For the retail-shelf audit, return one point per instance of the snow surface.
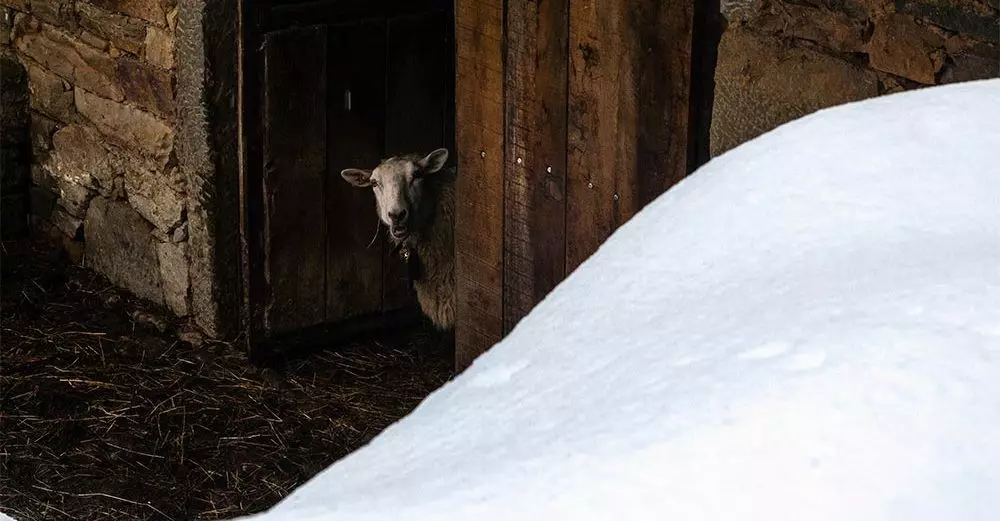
(807, 329)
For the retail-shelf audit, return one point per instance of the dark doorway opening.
(329, 85)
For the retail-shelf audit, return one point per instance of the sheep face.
(398, 184)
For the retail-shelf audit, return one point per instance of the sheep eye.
(374, 183)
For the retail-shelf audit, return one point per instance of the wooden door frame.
(255, 20)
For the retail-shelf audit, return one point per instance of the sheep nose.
(397, 216)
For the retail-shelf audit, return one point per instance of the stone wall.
(782, 59)
(104, 173)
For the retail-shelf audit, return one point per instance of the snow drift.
(808, 328)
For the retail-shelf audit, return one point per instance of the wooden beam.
(534, 183)
(479, 199)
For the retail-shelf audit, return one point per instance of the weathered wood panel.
(420, 85)
(294, 150)
(480, 146)
(628, 90)
(534, 182)
(355, 136)
(662, 60)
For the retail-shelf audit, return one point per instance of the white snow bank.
(806, 329)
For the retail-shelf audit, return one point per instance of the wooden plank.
(534, 184)
(480, 146)
(628, 89)
(662, 60)
(420, 80)
(355, 136)
(295, 177)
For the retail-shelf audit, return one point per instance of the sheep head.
(399, 184)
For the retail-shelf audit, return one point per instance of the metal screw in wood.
(519, 161)
(590, 185)
(615, 197)
(482, 153)
(548, 169)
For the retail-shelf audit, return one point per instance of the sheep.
(415, 199)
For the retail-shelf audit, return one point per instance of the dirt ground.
(103, 416)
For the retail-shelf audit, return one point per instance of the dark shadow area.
(706, 33)
(106, 414)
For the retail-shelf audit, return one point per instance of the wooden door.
(340, 84)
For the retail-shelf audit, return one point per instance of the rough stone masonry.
(104, 173)
(782, 59)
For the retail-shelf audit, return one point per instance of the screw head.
(615, 197)
(548, 169)
(590, 185)
(519, 161)
(482, 153)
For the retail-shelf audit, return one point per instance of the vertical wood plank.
(628, 89)
(294, 149)
(420, 78)
(354, 140)
(534, 183)
(663, 63)
(479, 198)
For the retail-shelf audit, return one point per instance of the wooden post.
(480, 146)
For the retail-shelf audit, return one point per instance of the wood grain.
(294, 177)
(534, 181)
(479, 205)
(628, 96)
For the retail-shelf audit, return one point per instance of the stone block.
(159, 48)
(74, 198)
(174, 276)
(761, 83)
(41, 129)
(977, 63)
(93, 40)
(155, 195)
(120, 246)
(128, 126)
(50, 94)
(73, 60)
(150, 88)
(901, 46)
(735, 10)
(55, 12)
(828, 28)
(125, 33)
(79, 155)
(154, 11)
(41, 176)
(66, 223)
(962, 16)
(6, 25)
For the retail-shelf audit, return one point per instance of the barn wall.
(571, 116)
(118, 103)
(782, 59)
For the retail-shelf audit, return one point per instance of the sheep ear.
(357, 177)
(434, 161)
